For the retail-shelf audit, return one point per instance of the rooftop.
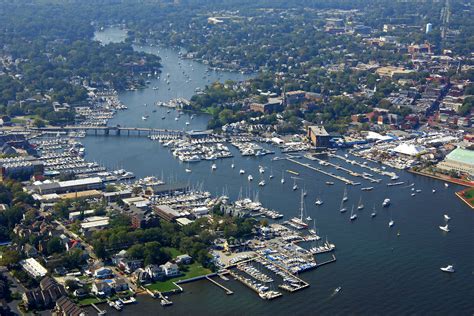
(462, 155)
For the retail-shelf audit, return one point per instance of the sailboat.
(214, 166)
(242, 171)
(261, 183)
(391, 223)
(299, 220)
(271, 174)
(295, 187)
(446, 217)
(344, 197)
(313, 230)
(361, 205)
(250, 178)
(353, 215)
(261, 169)
(342, 209)
(444, 228)
(374, 212)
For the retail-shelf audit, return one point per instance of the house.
(171, 269)
(184, 259)
(128, 265)
(102, 273)
(66, 307)
(30, 251)
(140, 276)
(101, 288)
(44, 296)
(155, 272)
(119, 285)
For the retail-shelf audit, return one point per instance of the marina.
(363, 246)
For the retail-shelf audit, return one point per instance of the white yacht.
(282, 177)
(394, 177)
(261, 183)
(449, 269)
(261, 169)
(344, 197)
(342, 209)
(318, 201)
(144, 118)
(444, 228)
(391, 223)
(386, 202)
(242, 171)
(187, 170)
(434, 190)
(232, 165)
(187, 123)
(446, 217)
(446, 185)
(213, 166)
(360, 206)
(250, 178)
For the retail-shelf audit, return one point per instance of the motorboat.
(444, 228)
(360, 206)
(374, 212)
(391, 223)
(446, 217)
(329, 183)
(261, 183)
(187, 123)
(295, 187)
(318, 202)
(386, 202)
(233, 166)
(250, 178)
(446, 185)
(337, 290)
(242, 171)
(144, 118)
(213, 166)
(261, 169)
(187, 170)
(449, 269)
(434, 190)
(394, 177)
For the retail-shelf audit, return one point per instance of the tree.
(39, 123)
(54, 245)
(9, 257)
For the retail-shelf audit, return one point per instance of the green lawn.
(89, 301)
(173, 251)
(469, 194)
(194, 270)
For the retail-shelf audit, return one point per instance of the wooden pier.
(326, 262)
(307, 165)
(111, 130)
(99, 311)
(226, 290)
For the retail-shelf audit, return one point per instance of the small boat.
(337, 290)
(391, 223)
(187, 170)
(242, 171)
(446, 217)
(319, 201)
(213, 166)
(394, 177)
(163, 117)
(444, 228)
(342, 209)
(271, 174)
(434, 190)
(250, 178)
(261, 169)
(413, 194)
(295, 187)
(398, 234)
(329, 183)
(353, 215)
(360, 206)
(261, 183)
(282, 177)
(367, 189)
(446, 185)
(374, 212)
(144, 118)
(344, 197)
(449, 269)
(175, 118)
(386, 202)
(309, 218)
(232, 165)
(187, 123)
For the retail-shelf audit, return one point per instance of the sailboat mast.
(301, 206)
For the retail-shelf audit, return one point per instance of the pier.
(99, 311)
(355, 162)
(226, 290)
(326, 262)
(307, 165)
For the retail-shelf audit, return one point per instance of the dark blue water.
(380, 272)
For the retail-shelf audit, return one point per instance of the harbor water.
(381, 270)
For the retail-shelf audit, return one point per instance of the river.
(379, 272)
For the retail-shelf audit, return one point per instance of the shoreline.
(447, 179)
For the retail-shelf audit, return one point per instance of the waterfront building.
(66, 307)
(318, 136)
(20, 168)
(460, 160)
(67, 186)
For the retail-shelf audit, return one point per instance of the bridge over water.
(111, 130)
